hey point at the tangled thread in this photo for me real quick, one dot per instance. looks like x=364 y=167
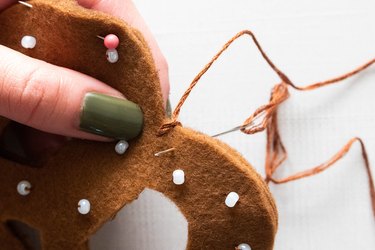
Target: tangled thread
x=276 y=152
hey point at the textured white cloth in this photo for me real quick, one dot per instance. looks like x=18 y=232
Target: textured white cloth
x=310 y=41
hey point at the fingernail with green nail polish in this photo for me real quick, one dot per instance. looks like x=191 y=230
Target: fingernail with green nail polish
x=110 y=116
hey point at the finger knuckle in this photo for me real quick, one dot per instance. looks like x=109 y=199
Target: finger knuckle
x=31 y=95
x=40 y=96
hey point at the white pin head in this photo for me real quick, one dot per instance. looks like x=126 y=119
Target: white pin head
x=232 y=199
x=24 y=188
x=28 y=42
x=112 y=55
x=243 y=246
x=121 y=147
x=84 y=206
x=178 y=177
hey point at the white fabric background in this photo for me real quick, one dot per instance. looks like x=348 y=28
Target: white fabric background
x=310 y=41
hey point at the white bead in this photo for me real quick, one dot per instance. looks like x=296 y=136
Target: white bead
x=28 y=42
x=121 y=147
x=84 y=206
x=232 y=199
x=178 y=177
x=112 y=55
x=244 y=246
x=23 y=188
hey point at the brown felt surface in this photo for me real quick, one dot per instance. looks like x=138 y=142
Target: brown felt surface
x=66 y=35
x=8 y=240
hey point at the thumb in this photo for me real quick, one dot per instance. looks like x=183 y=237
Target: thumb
x=6 y=3
x=62 y=101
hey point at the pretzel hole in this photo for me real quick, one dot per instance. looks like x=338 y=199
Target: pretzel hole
x=27 y=235
x=152 y=221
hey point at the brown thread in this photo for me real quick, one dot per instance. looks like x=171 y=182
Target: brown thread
x=275 y=150
x=165 y=128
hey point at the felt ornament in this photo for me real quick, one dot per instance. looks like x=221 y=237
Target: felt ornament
x=225 y=201
x=89 y=171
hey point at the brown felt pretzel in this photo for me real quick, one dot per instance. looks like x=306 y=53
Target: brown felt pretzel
x=66 y=35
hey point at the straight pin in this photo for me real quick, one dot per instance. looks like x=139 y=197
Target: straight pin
x=25 y=4
x=164 y=151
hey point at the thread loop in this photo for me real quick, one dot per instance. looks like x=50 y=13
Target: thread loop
x=276 y=152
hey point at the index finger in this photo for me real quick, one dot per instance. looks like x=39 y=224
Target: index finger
x=126 y=10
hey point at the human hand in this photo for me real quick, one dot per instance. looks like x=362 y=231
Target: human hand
x=39 y=92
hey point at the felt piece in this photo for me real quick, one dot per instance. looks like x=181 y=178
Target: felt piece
x=8 y=240
x=66 y=35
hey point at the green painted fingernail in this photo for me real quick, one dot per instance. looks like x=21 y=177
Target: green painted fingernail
x=110 y=117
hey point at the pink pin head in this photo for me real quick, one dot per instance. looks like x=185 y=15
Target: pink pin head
x=111 y=41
